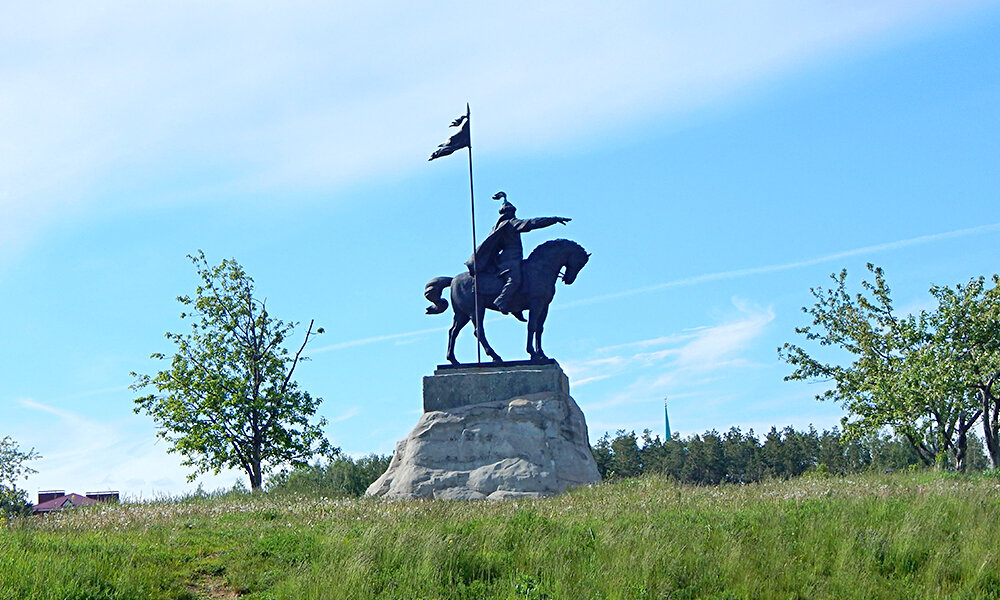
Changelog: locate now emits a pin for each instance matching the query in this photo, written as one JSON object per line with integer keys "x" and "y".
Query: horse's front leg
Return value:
{"x": 481, "y": 335}
{"x": 536, "y": 318}
{"x": 542, "y": 312}
{"x": 532, "y": 324}
{"x": 456, "y": 326}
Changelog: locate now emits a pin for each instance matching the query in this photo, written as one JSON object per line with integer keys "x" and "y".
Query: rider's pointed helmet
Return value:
{"x": 506, "y": 209}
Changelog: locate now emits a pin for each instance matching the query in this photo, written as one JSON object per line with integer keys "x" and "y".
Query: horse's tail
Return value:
{"x": 432, "y": 291}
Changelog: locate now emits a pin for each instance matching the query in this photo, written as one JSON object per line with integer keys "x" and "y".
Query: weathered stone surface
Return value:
{"x": 451, "y": 387}
{"x": 525, "y": 445}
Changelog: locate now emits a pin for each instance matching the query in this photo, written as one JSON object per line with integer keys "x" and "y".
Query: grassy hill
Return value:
{"x": 904, "y": 535}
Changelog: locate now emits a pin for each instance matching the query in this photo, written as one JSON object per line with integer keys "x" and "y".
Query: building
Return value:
{"x": 57, "y": 500}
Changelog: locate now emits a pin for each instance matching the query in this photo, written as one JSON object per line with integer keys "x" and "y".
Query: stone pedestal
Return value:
{"x": 452, "y": 387}
{"x": 492, "y": 432}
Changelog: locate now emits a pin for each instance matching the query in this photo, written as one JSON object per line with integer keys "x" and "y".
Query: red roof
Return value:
{"x": 67, "y": 501}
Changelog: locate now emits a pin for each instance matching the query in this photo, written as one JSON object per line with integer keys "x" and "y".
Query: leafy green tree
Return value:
{"x": 898, "y": 377}
{"x": 968, "y": 332}
{"x": 228, "y": 399}
{"x": 952, "y": 405}
{"x": 13, "y": 468}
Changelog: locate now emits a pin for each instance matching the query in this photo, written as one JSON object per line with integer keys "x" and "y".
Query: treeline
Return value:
{"x": 707, "y": 459}
{"x": 340, "y": 477}
{"x": 737, "y": 457}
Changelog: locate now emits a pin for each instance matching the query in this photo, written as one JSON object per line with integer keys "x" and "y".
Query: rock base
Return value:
{"x": 527, "y": 445}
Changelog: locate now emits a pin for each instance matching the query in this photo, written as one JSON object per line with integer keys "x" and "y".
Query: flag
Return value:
{"x": 460, "y": 140}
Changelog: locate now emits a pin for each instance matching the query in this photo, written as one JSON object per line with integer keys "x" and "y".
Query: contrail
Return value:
{"x": 924, "y": 239}
{"x": 734, "y": 274}
{"x": 372, "y": 340}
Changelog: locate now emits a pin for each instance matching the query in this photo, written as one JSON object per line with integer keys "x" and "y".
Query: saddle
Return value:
{"x": 491, "y": 282}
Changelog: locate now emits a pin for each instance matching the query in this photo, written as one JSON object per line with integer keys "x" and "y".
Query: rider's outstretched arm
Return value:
{"x": 523, "y": 225}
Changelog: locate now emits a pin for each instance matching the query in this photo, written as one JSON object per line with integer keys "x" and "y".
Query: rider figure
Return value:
{"x": 502, "y": 249}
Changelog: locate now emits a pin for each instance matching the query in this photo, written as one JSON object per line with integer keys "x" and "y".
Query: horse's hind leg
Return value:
{"x": 456, "y": 326}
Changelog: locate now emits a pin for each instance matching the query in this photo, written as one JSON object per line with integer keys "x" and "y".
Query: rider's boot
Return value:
{"x": 501, "y": 303}
{"x": 503, "y": 298}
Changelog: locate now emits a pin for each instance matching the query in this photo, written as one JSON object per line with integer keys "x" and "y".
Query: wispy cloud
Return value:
{"x": 687, "y": 361}
{"x": 83, "y": 454}
{"x": 85, "y": 424}
{"x": 139, "y": 94}
{"x": 714, "y": 345}
{"x": 591, "y": 379}
{"x": 352, "y": 412}
{"x": 659, "y": 341}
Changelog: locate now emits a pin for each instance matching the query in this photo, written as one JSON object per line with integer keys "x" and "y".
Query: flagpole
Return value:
{"x": 475, "y": 268}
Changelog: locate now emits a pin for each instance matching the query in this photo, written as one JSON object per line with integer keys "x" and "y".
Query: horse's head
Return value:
{"x": 555, "y": 255}
{"x": 574, "y": 262}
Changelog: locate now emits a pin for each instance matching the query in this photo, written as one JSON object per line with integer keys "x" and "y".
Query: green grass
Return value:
{"x": 920, "y": 535}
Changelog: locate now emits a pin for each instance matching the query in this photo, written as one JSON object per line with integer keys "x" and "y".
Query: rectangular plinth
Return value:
{"x": 452, "y": 387}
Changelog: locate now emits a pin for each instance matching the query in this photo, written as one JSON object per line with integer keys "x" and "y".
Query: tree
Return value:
{"x": 899, "y": 376}
{"x": 705, "y": 463}
{"x": 652, "y": 453}
{"x": 772, "y": 454}
{"x": 342, "y": 476}
{"x": 12, "y": 468}
{"x": 968, "y": 329}
{"x": 603, "y": 455}
{"x": 663, "y": 457}
{"x": 830, "y": 452}
{"x": 228, "y": 399}
{"x": 742, "y": 456}
{"x": 626, "y": 460}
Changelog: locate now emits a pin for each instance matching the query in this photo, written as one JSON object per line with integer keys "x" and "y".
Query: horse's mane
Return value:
{"x": 550, "y": 245}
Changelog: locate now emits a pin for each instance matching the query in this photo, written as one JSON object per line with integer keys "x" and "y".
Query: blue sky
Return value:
{"x": 718, "y": 160}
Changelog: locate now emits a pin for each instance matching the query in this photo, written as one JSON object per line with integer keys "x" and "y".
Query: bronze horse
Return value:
{"x": 538, "y": 286}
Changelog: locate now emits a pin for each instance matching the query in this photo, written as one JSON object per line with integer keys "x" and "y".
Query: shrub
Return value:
{"x": 340, "y": 477}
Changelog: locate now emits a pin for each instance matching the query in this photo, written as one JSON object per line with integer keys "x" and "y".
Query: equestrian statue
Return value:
{"x": 507, "y": 282}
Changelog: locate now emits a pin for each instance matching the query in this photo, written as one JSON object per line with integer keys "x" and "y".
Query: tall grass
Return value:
{"x": 920, "y": 535}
